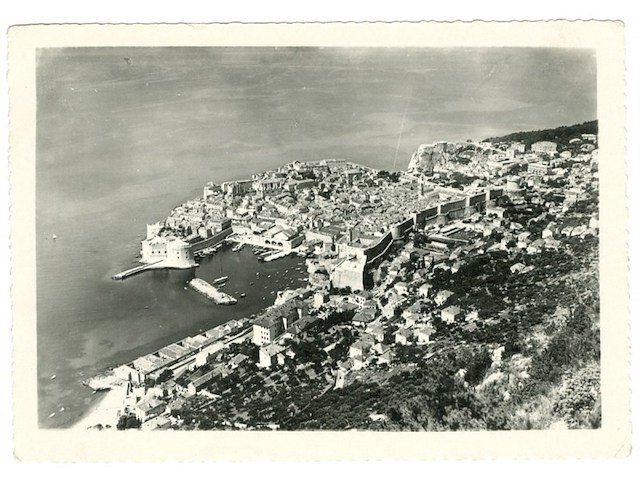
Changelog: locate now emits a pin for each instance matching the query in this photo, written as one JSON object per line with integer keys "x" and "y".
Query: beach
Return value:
{"x": 105, "y": 412}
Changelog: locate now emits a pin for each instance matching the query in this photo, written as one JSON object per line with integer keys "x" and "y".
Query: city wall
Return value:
{"x": 374, "y": 251}
{"x": 440, "y": 214}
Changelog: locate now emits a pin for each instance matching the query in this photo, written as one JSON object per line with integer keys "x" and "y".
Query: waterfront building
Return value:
{"x": 237, "y": 187}
{"x": 276, "y": 320}
{"x": 149, "y": 408}
{"x": 209, "y": 190}
{"x": 218, "y": 224}
{"x": 268, "y": 185}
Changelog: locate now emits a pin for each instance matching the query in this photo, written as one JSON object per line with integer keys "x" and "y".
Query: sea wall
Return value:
{"x": 213, "y": 240}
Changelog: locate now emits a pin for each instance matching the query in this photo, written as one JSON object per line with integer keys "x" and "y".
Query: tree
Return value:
{"x": 129, "y": 421}
{"x": 164, "y": 376}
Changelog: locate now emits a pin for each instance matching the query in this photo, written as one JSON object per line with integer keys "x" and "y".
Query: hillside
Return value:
{"x": 560, "y": 135}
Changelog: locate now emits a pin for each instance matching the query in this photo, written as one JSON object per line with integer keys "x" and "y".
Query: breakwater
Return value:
{"x": 212, "y": 293}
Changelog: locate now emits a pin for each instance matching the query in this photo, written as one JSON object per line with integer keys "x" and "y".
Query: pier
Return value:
{"x": 133, "y": 271}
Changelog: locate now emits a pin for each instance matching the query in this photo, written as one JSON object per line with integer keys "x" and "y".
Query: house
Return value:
{"x": 442, "y": 296}
{"x": 451, "y": 314}
{"x": 149, "y": 408}
{"x": 237, "y": 360}
{"x": 423, "y": 335}
{"x": 319, "y": 299}
{"x": 364, "y": 316}
{"x": 403, "y": 336}
{"x": 157, "y": 423}
{"x": 376, "y": 331}
{"x": 544, "y": 147}
{"x": 344, "y": 373}
{"x": 550, "y": 230}
{"x": 410, "y": 319}
{"x": 268, "y": 353}
{"x": 359, "y": 362}
{"x": 535, "y": 247}
{"x": 198, "y": 383}
{"x": 517, "y": 267}
{"x": 360, "y": 349}
{"x": 424, "y": 290}
{"x": 402, "y": 288}
{"x": 472, "y": 316}
{"x": 386, "y": 357}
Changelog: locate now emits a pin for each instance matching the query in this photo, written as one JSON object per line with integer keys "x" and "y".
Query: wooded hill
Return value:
{"x": 560, "y": 135}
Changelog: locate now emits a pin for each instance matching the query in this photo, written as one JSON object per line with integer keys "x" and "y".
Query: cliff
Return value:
{"x": 426, "y": 158}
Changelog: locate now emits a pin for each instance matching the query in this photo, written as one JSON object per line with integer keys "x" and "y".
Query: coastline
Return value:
{"x": 105, "y": 412}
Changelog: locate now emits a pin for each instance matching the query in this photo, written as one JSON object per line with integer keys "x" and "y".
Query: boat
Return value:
{"x": 250, "y": 283}
{"x": 52, "y": 415}
{"x": 242, "y": 295}
{"x": 53, "y": 377}
{"x": 220, "y": 280}
{"x": 53, "y": 236}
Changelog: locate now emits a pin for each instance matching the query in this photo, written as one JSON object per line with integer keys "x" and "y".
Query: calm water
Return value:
{"x": 120, "y": 142}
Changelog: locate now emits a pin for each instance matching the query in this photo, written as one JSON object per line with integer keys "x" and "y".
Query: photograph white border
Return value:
{"x": 613, "y": 439}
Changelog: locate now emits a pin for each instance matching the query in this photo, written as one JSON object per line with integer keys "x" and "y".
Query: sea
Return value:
{"x": 126, "y": 134}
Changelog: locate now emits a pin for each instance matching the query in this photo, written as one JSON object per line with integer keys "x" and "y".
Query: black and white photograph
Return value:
{"x": 303, "y": 238}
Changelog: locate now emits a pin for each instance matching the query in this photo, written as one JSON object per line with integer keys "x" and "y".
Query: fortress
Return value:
{"x": 173, "y": 252}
